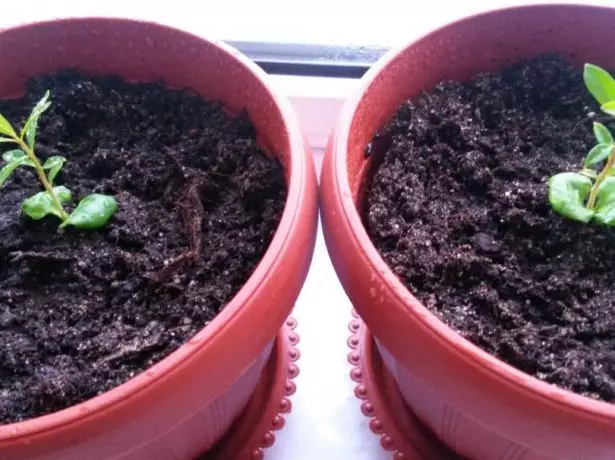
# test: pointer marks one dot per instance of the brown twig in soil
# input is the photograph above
(82, 276)
(130, 351)
(176, 164)
(17, 256)
(135, 262)
(192, 213)
(170, 267)
(177, 169)
(174, 286)
(214, 173)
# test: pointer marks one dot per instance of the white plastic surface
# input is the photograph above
(326, 422)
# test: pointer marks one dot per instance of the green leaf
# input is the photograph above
(41, 204)
(605, 202)
(599, 83)
(602, 133)
(6, 128)
(53, 164)
(92, 212)
(14, 159)
(63, 194)
(7, 170)
(17, 154)
(567, 194)
(13, 155)
(29, 129)
(609, 108)
(599, 153)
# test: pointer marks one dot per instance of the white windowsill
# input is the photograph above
(326, 422)
(317, 102)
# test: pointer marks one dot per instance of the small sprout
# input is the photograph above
(588, 194)
(92, 212)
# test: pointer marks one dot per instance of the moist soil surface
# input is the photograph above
(458, 208)
(83, 311)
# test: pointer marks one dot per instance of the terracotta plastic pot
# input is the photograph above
(182, 405)
(479, 406)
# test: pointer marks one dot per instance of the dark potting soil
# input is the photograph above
(199, 201)
(458, 208)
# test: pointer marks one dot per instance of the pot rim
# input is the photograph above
(407, 303)
(223, 325)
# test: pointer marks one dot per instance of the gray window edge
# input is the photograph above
(311, 59)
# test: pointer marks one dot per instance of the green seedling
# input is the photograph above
(92, 212)
(589, 194)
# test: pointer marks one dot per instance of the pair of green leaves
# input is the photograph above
(17, 157)
(92, 212)
(568, 193)
(41, 204)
